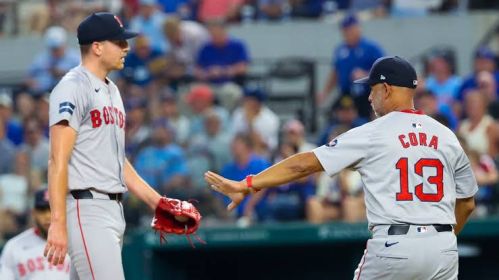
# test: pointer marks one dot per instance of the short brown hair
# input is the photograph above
(84, 49)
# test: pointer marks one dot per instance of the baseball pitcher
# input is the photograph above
(88, 172)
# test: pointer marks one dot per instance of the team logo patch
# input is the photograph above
(332, 143)
(119, 21)
(66, 107)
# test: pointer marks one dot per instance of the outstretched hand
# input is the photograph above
(234, 190)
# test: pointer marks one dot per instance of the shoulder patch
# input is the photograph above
(66, 107)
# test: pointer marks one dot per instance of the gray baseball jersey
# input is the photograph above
(95, 110)
(22, 259)
(413, 168)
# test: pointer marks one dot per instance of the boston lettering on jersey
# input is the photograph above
(108, 115)
(35, 265)
(418, 139)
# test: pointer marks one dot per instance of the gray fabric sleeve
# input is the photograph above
(67, 103)
(346, 150)
(466, 185)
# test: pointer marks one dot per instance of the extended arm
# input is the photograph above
(290, 169)
(139, 187)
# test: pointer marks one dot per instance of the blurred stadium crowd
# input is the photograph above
(189, 108)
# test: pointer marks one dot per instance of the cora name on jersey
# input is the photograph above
(39, 264)
(109, 115)
(419, 139)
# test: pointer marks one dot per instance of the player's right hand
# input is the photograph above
(57, 243)
(234, 190)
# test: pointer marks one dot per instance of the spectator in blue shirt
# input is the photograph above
(352, 59)
(52, 63)
(181, 8)
(223, 59)
(136, 70)
(245, 163)
(163, 164)
(289, 202)
(149, 22)
(443, 83)
(13, 127)
(484, 61)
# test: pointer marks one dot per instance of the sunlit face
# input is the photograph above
(41, 218)
(376, 98)
(113, 53)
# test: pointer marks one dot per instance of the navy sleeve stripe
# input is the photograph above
(62, 110)
(68, 104)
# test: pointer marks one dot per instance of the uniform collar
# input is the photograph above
(95, 81)
(412, 111)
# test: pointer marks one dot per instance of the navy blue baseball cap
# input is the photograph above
(42, 199)
(256, 93)
(485, 52)
(392, 70)
(348, 21)
(99, 27)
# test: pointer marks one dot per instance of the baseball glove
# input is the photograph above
(175, 216)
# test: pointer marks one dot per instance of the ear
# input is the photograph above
(97, 48)
(388, 90)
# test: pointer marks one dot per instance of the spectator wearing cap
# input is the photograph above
(149, 22)
(186, 38)
(201, 100)
(223, 59)
(227, 10)
(294, 134)
(170, 111)
(256, 119)
(352, 59)
(13, 128)
(52, 63)
(162, 163)
(22, 256)
(136, 70)
(484, 60)
(343, 114)
(442, 81)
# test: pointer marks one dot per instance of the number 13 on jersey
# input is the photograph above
(437, 180)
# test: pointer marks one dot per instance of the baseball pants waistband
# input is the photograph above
(409, 229)
(91, 194)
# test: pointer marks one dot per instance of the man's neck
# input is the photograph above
(95, 69)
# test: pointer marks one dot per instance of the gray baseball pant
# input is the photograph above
(95, 237)
(422, 253)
